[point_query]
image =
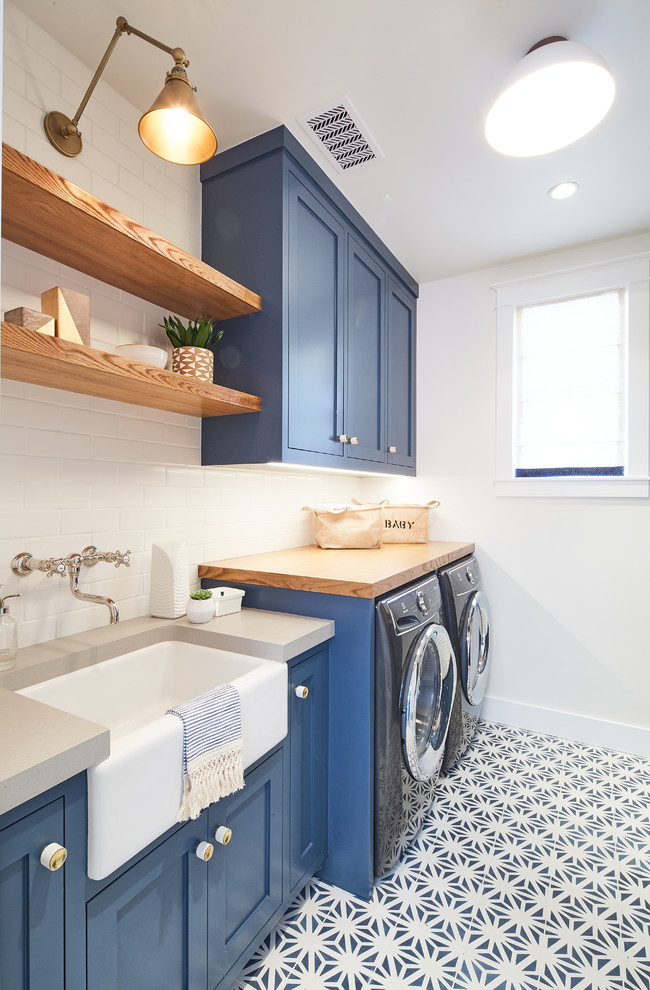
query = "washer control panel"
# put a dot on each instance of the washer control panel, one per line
(466, 577)
(411, 607)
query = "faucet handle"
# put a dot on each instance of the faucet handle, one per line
(91, 556)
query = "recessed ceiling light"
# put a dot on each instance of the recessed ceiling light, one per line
(563, 190)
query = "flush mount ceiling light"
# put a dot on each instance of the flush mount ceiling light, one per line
(563, 190)
(173, 128)
(557, 93)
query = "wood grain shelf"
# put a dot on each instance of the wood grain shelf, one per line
(30, 356)
(44, 212)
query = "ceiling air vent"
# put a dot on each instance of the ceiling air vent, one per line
(340, 133)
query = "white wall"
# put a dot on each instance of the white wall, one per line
(75, 470)
(568, 579)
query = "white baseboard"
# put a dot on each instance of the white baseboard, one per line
(594, 731)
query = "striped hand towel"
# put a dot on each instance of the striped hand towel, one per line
(212, 760)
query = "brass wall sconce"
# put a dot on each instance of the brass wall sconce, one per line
(173, 128)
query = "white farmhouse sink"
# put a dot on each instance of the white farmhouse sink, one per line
(134, 795)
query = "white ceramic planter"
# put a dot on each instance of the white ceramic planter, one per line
(200, 610)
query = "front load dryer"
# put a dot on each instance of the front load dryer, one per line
(415, 683)
(467, 615)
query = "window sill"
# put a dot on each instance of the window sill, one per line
(573, 487)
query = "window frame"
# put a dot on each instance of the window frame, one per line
(630, 273)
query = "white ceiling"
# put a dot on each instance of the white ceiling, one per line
(421, 74)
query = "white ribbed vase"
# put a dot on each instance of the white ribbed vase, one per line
(195, 361)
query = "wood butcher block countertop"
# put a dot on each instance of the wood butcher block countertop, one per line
(355, 573)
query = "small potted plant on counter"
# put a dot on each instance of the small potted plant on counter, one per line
(200, 606)
(192, 342)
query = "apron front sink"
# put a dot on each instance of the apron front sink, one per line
(134, 795)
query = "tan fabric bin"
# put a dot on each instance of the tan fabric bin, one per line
(404, 523)
(347, 527)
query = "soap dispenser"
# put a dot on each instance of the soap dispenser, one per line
(8, 636)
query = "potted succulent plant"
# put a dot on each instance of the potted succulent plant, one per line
(192, 343)
(200, 606)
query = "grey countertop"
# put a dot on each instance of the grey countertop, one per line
(41, 746)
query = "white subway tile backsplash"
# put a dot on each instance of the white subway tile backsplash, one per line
(141, 474)
(100, 424)
(42, 82)
(152, 517)
(59, 496)
(24, 110)
(92, 520)
(13, 132)
(167, 495)
(114, 495)
(28, 522)
(140, 429)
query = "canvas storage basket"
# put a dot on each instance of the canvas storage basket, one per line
(403, 523)
(347, 527)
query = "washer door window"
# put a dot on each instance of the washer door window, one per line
(426, 698)
(475, 647)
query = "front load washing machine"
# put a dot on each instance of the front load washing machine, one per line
(467, 616)
(415, 683)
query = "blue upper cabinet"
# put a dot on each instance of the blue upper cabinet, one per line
(400, 378)
(332, 354)
(315, 325)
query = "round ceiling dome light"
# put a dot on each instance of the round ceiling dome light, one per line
(558, 93)
(564, 190)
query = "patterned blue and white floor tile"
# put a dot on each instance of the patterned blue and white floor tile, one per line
(532, 872)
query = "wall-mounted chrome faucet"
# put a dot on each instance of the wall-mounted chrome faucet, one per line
(24, 563)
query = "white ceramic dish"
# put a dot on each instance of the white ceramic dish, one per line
(134, 795)
(145, 353)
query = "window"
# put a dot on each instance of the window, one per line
(572, 383)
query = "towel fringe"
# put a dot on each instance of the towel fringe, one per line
(211, 776)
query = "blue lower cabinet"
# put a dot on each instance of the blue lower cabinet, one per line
(147, 929)
(245, 875)
(308, 704)
(31, 903)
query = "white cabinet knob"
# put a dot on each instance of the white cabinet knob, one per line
(354, 440)
(344, 438)
(54, 856)
(392, 450)
(223, 835)
(301, 691)
(204, 851)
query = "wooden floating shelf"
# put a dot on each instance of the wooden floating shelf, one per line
(33, 357)
(44, 212)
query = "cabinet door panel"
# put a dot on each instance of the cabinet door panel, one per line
(31, 903)
(245, 875)
(148, 928)
(364, 351)
(400, 378)
(308, 719)
(315, 285)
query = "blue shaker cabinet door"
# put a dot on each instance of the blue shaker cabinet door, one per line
(147, 929)
(31, 903)
(400, 378)
(308, 720)
(365, 357)
(315, 324)
(245, 886)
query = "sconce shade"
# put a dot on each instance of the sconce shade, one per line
(174, 127)
(558, 93)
